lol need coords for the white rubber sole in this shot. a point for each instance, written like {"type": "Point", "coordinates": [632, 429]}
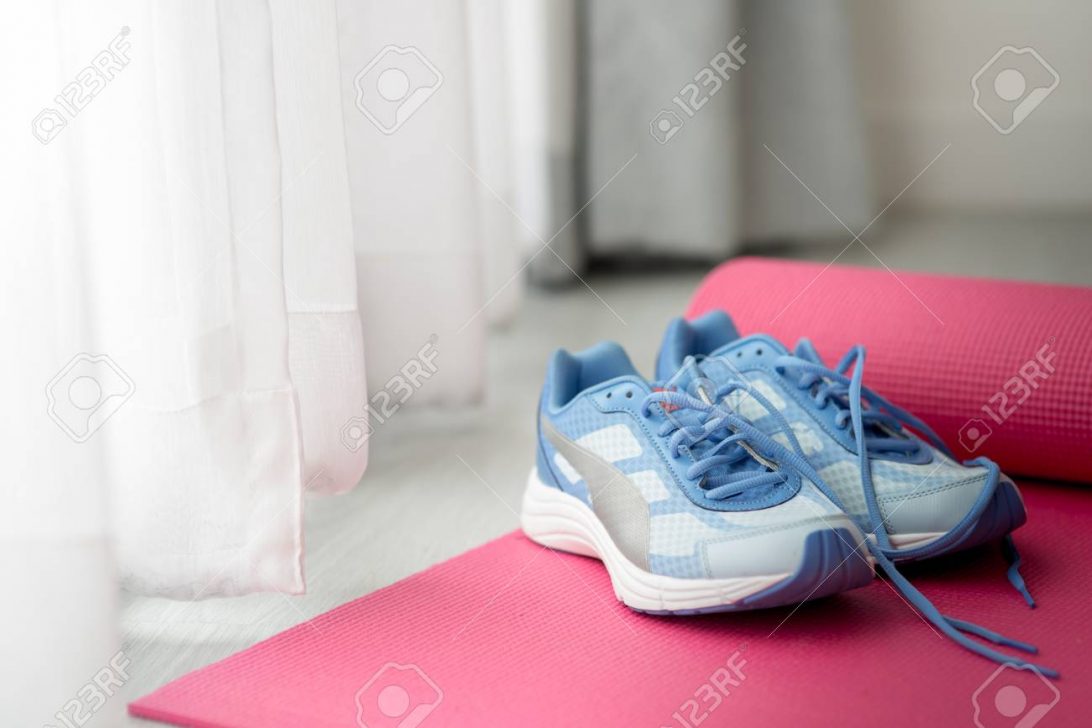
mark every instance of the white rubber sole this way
{"type": "Point", "coordinates": [561, 521]}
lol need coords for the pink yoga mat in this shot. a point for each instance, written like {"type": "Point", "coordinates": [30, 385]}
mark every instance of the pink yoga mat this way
{"type": "Point", "coordinates": [510, 634]}
{"type": "Point", "coordinates": [997, 368]}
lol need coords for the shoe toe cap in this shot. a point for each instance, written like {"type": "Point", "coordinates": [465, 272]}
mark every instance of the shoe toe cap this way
{"type": "Point", "coordinates": [777, 549]}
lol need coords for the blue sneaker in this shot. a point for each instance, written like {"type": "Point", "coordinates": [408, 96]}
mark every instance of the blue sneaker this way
{"type": "Point", "coordinates": [680, 499]}
{"type": "Point", "coordinates": [910, 495]}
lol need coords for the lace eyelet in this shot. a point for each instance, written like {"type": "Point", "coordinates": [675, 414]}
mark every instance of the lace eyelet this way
{"type": "Point", "coordinates": [758, 352]}
{"type": "Point", "coordinates": [629, 395]}
{"type": "Point", "coordinates": [609, 394]}
{"type": "Point", "coordinates": [739, 355]}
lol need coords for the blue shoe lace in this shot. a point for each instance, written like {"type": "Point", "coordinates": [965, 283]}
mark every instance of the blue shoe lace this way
{"type": "Point", "coordinates": [715, 439]}
{"type": "Point", "coordinates": [836, 385]}
{"type": "Point", "coordinates": [882, 425]}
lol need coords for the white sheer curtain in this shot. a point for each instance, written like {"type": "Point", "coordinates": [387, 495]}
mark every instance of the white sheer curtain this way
{"type": "Point", "coordinates": [427, 187]}
{"type": "Point", "coordinates": [325, 346]}
{"type": "Point", "coordinates": [180, 308]}
{"type": "Point", "coordinates": [57, 625]}
{"type": "Point", "coordinates": [196, 221]}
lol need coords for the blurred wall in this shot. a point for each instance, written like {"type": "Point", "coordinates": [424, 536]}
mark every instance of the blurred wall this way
{"type": "Point", "coordinates": [915, 62]}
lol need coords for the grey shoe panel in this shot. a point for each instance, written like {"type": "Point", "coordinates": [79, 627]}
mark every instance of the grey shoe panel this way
{"type": "Point", "coordinates": [774, 550]}
{"type": "Point", "coordinates": [931, 510]}
{"type": "Point", "coordinates": [617, 502]}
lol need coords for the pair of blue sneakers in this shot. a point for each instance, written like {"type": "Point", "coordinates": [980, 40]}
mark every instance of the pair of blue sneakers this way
{"type": "Point", "coordinates": [747, 476]}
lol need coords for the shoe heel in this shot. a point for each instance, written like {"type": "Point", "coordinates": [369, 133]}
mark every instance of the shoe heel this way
{"type": "Point", "coordinates": [555, 519]}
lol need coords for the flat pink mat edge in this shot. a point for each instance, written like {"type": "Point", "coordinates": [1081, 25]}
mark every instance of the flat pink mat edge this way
{"type": "Point", "coordinates": [533, 637]}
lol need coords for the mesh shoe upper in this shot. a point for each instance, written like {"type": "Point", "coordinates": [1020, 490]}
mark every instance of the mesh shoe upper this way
{"type": "Point", "coordinates": [643, 491]}
{"type": "Point", "coordinates": [926, 494]}
{"type": "Point", "coordinates": [855, 445]}
{"type": "Point", "coordinates": [914, 497]}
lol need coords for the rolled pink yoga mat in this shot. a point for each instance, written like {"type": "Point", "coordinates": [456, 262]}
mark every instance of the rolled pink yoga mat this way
{"type": "Point", "coordinates": [997, 368]}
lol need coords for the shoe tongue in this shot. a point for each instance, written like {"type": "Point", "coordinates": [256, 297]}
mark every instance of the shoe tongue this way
{"type": "Point", "coordinates": [692, 379]}
{"type": "Point", "coordinates": [721, 364]}
{"type": "Point", "coordinates": [807, 351]}
{"type": "Point", "coordinates": [767, 341]}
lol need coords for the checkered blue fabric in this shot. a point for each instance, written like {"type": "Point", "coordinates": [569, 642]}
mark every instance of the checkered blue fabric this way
{"type": "Point", "coordinates": [679, 529]}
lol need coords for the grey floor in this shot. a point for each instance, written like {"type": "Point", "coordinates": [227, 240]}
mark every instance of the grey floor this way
{"type": "Point", "coordinates": [440, 483]}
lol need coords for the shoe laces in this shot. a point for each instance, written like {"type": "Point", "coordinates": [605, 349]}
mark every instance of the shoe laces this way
{"type": "Point", "coordinates": [880, 421]}
{"type": "Point", "coordinates": [882, 426]}
{"type": "Point", "coordinates": [879, 428]}
{"type": "Point", "coordinates": [723, 447]}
